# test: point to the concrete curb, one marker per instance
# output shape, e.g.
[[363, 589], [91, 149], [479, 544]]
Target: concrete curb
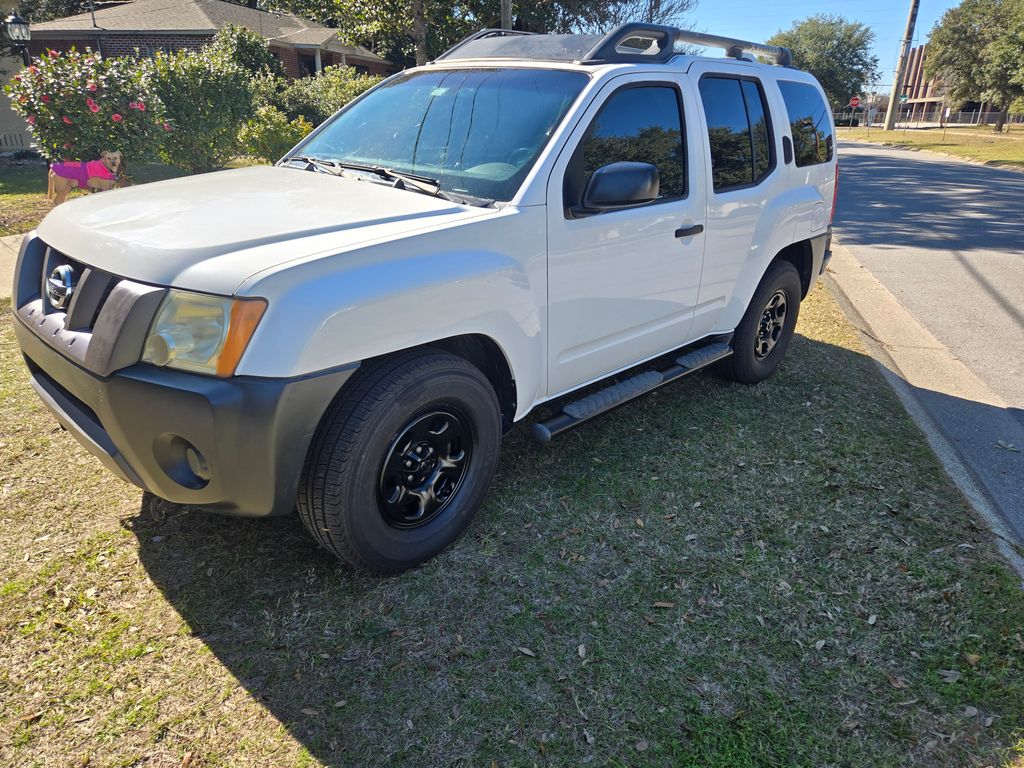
[[914, 361]]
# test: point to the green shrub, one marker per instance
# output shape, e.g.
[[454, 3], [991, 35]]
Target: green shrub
[[247, 49], [270, 135], [206, 98], [78, 104], [320, 96]]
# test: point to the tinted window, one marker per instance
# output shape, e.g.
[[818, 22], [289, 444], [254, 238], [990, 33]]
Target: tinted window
[[760, 137], [738, 131], [809, 122], [640, 125], [477, 132]]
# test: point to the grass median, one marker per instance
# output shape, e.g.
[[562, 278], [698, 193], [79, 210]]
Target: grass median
[[714, 575], [978, 143]]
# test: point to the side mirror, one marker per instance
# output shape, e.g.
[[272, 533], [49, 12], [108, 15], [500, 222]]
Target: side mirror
[[620, 185]]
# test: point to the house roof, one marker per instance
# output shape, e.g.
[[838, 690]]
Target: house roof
[[200, 17]]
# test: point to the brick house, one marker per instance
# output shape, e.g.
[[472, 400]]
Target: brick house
[[120, 28]]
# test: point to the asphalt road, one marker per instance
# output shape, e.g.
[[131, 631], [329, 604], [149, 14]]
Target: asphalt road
[[946, 238]]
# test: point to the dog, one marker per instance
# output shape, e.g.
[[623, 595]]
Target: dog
[[91, 176]]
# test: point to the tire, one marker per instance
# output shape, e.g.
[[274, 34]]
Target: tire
[[756, 355], [354, 496]]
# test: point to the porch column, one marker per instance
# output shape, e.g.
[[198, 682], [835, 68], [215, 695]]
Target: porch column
[[319, 66]]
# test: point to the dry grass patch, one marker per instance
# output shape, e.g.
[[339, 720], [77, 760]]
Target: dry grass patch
[[712, 576]]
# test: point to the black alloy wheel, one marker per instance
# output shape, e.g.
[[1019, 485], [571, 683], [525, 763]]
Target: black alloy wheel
[[423, 468]]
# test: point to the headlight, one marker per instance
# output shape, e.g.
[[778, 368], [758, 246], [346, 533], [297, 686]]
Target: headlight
[[201, 333]]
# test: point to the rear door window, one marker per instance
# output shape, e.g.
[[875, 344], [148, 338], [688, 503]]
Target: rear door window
[[809, 123], [739, 133]]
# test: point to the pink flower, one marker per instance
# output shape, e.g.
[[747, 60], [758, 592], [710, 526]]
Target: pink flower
[[67, 120], [141, 107], [167, 126], [94, 107], [31, 119], [116, 117], [133, 105], [16, 78], [32, 69], [67, 146], [46, 99], [91, 86], [53, 54]]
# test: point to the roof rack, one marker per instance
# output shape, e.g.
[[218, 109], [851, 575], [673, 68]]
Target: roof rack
[[635, 42]]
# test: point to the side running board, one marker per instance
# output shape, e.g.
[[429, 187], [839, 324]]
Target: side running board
[[579, 411]]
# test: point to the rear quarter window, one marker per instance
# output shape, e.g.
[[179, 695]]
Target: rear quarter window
[[809, 123]]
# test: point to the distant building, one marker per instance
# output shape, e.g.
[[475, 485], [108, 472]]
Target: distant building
[[926, 97], [120, 28]]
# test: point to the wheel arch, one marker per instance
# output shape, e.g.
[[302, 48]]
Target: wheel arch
[[801, 255]]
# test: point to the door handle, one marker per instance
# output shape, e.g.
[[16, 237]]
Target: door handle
[[696, 229]]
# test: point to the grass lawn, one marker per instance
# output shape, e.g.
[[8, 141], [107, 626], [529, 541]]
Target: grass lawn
[[974, 143], [714, 575]]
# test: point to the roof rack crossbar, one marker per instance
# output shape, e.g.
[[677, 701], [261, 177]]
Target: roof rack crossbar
[[663, 40], [634, 42]]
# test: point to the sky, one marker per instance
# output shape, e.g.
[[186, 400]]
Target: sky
[[757, 20]]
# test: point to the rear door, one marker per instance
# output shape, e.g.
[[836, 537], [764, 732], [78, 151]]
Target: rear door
[[623, 284], [746, 184]]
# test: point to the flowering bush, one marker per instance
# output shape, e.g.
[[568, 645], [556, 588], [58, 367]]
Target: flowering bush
[[78, 104], [247, 49], [270, 135], [206, 98]]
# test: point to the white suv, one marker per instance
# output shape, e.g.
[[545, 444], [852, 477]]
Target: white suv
[[351, 330]]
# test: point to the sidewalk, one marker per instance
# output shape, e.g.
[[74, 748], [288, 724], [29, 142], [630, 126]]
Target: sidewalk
[[8, 256]]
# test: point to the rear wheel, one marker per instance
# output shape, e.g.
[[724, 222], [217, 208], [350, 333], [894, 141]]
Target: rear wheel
[[762, 337], [401, 461]]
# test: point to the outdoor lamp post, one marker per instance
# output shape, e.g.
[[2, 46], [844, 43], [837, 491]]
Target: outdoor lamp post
[[18, 34]]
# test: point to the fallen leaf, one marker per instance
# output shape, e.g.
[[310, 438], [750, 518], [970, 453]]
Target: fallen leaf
[[872, 619], [819, 645], [640, 522], [970, 712], [972, 659], [641, 746], [692, 537], [587, 736], [664, 604], [310, 712], [341, 703], [895, 680], [760, 620], [949, 675], [582, 651], [526, 651], [186, 761], [32, 717], [649, 619], [1007, 446], [988, 721]]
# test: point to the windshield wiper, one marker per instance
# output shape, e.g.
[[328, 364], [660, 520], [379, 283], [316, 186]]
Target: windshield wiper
[[316, 164], [398, 179]]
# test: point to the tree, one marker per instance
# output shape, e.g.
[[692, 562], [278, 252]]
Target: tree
[[834, 50], [977, 49], [414, 31], [247, 49], [44, 10]]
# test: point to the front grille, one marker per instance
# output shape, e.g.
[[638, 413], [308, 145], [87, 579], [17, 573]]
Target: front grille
[[67, 303]]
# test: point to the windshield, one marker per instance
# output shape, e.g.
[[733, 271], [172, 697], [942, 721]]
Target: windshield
[[476, 131]]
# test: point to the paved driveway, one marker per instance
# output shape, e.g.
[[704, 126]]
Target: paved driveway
[[946, 239]]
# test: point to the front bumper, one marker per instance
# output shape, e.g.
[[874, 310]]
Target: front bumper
[[252, 433]]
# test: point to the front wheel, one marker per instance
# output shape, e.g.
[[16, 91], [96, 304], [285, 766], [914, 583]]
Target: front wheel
[[762, 337], [401, 461]]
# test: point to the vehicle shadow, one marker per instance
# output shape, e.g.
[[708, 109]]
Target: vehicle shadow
[[422, 668]]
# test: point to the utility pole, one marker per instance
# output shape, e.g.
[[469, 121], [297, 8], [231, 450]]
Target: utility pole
[[506, 14], [901, 67]]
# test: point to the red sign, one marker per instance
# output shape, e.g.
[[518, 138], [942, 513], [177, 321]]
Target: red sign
[[855, 102]]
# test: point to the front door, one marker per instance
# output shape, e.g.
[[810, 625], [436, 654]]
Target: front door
[[623, 284]]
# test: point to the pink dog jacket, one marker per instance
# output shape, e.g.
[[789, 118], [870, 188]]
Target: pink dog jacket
[[82, 172]]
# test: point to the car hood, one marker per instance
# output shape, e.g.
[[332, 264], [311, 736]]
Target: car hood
[[210, 232]]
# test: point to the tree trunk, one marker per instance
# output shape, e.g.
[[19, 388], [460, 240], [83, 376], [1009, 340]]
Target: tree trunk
[[419, 31], [1001, 120]]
